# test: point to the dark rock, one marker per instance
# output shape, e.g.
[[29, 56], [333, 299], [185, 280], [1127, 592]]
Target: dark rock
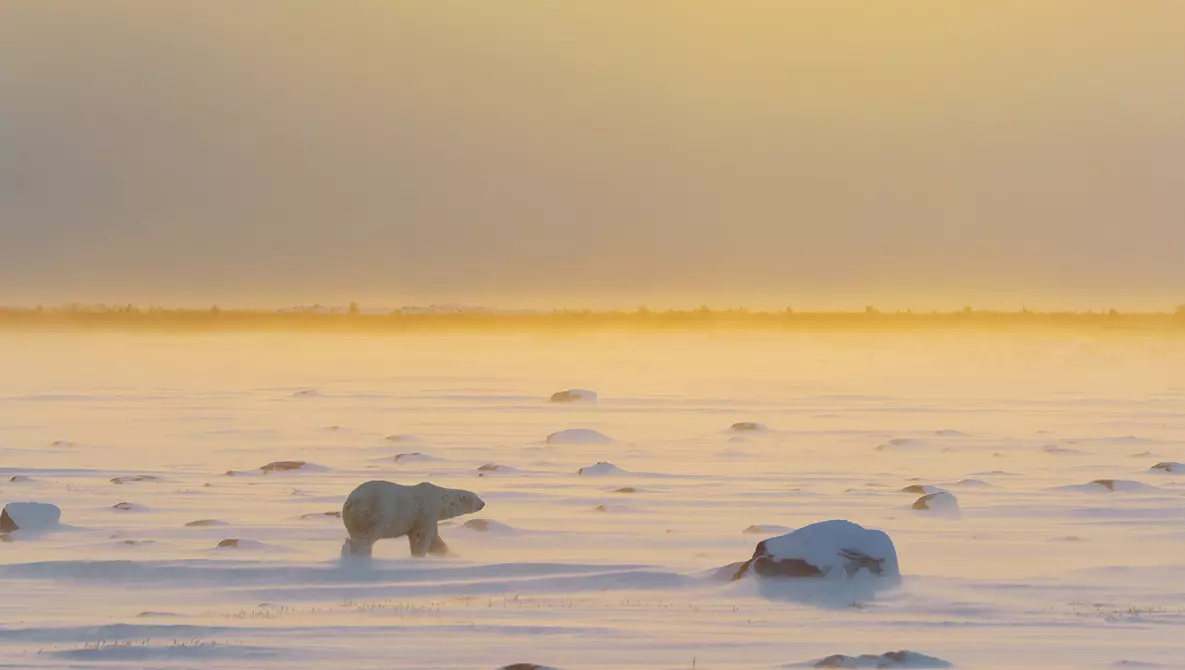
[[489, 467], [205, 522], [125, 506], [626, 489], [229, 543]]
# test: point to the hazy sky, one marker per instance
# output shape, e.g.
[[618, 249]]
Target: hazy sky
[[594, 152]]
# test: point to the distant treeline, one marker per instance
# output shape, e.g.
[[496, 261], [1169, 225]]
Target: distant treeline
[[129, 318]]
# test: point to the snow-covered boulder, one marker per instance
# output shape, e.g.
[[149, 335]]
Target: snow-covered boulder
[[831, 549], [940, 501], [1169, 467], [601, 469], [574, 395], [889, 659], [29, 516], [576, 436]]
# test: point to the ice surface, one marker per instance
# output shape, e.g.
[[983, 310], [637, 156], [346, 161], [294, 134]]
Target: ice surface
[[1044, 568]]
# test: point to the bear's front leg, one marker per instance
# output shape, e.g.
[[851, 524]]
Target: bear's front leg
[[420, 537], [437, 547]]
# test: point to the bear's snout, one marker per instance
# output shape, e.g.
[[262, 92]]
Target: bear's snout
[[481, 504]]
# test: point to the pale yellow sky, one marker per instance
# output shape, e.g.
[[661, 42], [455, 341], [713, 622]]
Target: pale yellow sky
[[594, 153]]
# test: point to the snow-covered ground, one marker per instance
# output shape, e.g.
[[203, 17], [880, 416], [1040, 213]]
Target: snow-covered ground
[[1066, 551]]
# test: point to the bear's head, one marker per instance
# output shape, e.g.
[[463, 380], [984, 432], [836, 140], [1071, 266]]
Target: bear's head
[[456, 502]]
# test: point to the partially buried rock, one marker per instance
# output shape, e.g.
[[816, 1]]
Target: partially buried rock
[[490, 467], [747, 427], [756, 529], [924, 489], [29, 516], [940, 501], [414, 457], [526, 666], [601, 469], [334, 514], [831, 549], [137, 478], [574, 395], [206, 522], [576, 436], [228, 543], [125, 506], [19, 479], [1170, 467], [889, 659], [1122, 485], [283, 466], [626, 489]]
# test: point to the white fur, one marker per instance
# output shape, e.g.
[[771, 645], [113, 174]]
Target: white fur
[[380, 510]]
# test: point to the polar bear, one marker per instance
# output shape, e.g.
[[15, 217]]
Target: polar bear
[[380, 510]]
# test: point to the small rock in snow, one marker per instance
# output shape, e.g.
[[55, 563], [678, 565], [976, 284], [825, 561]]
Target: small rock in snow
[[575, 436], [940, 501], [923, 489], [283, 466], [137, 478], [747, 427], [603, 468], [574, 395]]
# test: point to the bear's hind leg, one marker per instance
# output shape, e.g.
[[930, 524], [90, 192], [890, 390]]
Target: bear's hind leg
[[358, 546]]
